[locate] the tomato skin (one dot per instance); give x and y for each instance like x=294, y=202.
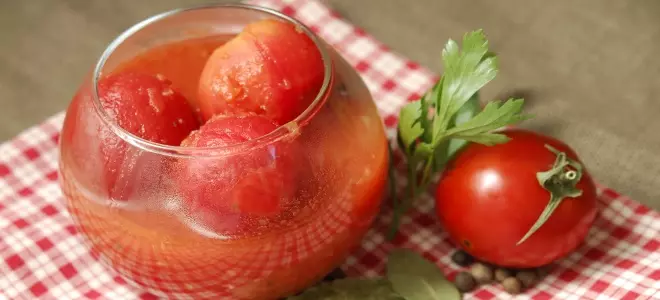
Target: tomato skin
x=142, y=104
x=258, y=183
x=271, y=68
x=489, y=197
x=147, y=106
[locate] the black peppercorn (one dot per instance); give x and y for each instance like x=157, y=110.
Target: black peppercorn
x=335, y=274
x=542, y=271
x=527, y=277
x=465, y=282
x=462, y=258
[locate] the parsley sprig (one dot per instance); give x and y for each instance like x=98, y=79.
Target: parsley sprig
x=432, y=129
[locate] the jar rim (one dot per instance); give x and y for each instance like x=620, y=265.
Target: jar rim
x=280, y=133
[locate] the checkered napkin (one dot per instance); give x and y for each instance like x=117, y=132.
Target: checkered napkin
x=43, y=256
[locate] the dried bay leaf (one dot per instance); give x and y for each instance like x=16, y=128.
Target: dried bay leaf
x=415, y=278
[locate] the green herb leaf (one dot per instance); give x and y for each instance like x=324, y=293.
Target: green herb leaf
x=410, y=128
x=428, y=102
x=494, y=116
x=414, y=120
x=488, y=139
x=350, y=289
x=416, y=278
x=466, y=72
x=469, y=110
x=423, y=151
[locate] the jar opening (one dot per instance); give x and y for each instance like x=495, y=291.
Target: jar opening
x=282, y=132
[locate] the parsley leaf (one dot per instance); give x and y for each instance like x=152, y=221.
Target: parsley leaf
x=495, y=115
x=466, y=72
x=469, y=110
x=409, y=127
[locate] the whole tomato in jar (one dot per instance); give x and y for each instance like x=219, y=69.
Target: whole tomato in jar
x=523, y=203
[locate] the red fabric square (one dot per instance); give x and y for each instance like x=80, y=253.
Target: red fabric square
x=655, y=275
x=610, y=193
x=119, y=280
x=652, y=246
x=568, y=275
x=69, y=271
x=414, y=97
x=625, y=264
x=425, y=220
x=49, y=210
x=620, y=233
x=631, y=295
x=412, y=65
x=21, y=223
x=359, y=31
x=31, y=153
x=599, y=286
x=14, y=262
x=370, y=260
x=38, y=289
x=147, y=296
x=391, y=121
x=594, y=254
x=542, y=295
x=362, y=66
x=400, y=239
x=288, y=10
x=55, y=138
x=92, y=294
x=389, y=85
x=71, y=229
x=25, y=192
x=51, y=175
x=642, y=210
x=484, y=294
x=45, y=244
x=4, y=170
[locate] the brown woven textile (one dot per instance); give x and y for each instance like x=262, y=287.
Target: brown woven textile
x=587, y=67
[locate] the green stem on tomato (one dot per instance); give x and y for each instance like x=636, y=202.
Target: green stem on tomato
x=561, y=182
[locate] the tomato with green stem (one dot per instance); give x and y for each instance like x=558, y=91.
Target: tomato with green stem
x=523, y=203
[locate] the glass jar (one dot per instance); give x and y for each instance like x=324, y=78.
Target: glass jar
x=129, y=201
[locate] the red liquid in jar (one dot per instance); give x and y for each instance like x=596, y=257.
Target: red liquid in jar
x=158, y=247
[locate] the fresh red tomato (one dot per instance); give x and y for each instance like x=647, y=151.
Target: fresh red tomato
x=271, y=68
x=489, y=197
x=223, y=191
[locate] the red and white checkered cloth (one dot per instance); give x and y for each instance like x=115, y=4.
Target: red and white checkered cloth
x=43, y=257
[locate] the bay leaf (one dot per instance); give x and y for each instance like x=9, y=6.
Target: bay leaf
x=350, y=289
x=415, y=278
